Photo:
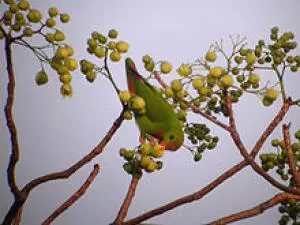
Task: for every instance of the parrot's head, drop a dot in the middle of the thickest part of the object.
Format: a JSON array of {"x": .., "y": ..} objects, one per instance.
[{"x": 172, "y": 140}]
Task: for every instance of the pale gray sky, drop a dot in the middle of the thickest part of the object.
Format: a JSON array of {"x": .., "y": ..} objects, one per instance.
[{"x": 54, "y": 133}]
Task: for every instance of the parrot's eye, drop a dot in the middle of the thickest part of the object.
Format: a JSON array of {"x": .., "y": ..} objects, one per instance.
[{"x": 172, "y": 137}]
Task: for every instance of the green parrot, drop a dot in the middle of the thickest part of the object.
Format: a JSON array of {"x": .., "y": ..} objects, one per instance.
[{"x": 159, "y": 120}]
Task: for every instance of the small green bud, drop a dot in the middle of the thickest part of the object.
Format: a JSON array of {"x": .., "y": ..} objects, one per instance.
[
  {"x": 59, "y": 36},
  {"x": 23, "y": 5},
  {"x": 197, "y": 157},
  {"x": 176, "y": 85},
  {"x": 115, "y": 56},
  {"x": 64, "y": 18},
  {"x": 91, "y": 76},
  {"x": 147, "y": 59},
  {"x": 122, "y": 46},
  {"x": 216, "y": 72},
  {"x": 41, "y": 78},
  {"x": 165, "y": 67},
  {"x": 211, "y": 56},
  {"x": 113, "y": 33}
]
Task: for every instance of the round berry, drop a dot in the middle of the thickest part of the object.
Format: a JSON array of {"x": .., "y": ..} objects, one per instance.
[
  {"x": 145, "y": 149},
  {"x": 127, "y": 115},
  {"x": 124, "y": 96},
  {"x": 297, "y": 134},
  {"x": 64, "y": 17},
  {"x": 53, "y": 12},
  {"x": 165, "y": 67},
  {"x": 34, "y": 16},
  {"x": 59, "y": 36},
  {"x": 65, "y": 78},
  {"x": 122, "y": 46},
  {"x": 197, "y": 156},
  {"x": 176, "y": 85},
  {"x": 137, "y": 103},
  {"x": 91, "y": 76},
  {"x": 151, "y": 167},
  {"x": 184, "y": 70},
  {"x": 251, "y": 58},
  {"x": 157, "y": 151},
  {"x": 115, "y": 56},
  {"x": 147, "y": 59},
  {"x": 211, "y": 56},
  {"x": 149, "y": 66},
  {"x": 198, "y": 83},
  {"x": 71, "y": 64},
  {"x": 113, "y": 33},
  {"x": 99, "y": 52},
  {"x": 23, "y": 5},
  {"x": 50, "y": 22},
  {"x": 216, "y": 72},
  {"x": 227, "y": 81},
  {"x": 253, "y": 78},
  {"x": 41, "y": 78},
  {"x": 272, "y": 94}
]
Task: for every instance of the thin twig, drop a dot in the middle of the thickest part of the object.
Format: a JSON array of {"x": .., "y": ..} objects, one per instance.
[
  {"x": 127, "y": 201},
  {"x": 259, "y": 209},
  {"x": 72, "y": 199},
  {"x": 290, "y": 154}
]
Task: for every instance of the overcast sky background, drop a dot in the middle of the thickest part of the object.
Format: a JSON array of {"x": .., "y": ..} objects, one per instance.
[{"x": 55, "y": 132}]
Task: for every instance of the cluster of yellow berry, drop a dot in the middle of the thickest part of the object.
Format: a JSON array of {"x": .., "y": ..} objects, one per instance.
[
  {"x": 149, "y": 64},
  {"x": 134, "y": 104},
  {"x": 23, "y": 21},
  {"x": 280, "y": 160},
  {"x": 143, "y": 159},
  {"x": 99, "y": 45}
]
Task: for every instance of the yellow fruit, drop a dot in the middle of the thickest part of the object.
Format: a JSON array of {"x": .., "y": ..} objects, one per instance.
[
  {"x": 122, "y": 46},
  {"x": 149, "y": 66},
  {"x": 34, "y": 16},
  {"x": 99, "y": 52},
  {"x": 272, "y": 94},
  {"x": 165, "y": 67},
  {"x": 53, "y": 12},
  {"x": 65, "y": 78},
  {"x": 124, "y": 96},
  {"x": 59, "y": 36},
  {"x": 184, "y": 70},
  {"x": 115, "y": 56},
  {"x": 216, "y": 72},
  {"x": 71, "y": 64},
  {"x": 176, "y": 85},
  {"x": 41, "y": 78},
  {"x": 145, "y": 161},
  {"x": 62, "y": 53},
  {"x": 50, "y": 22},
  {"x": 111, "y": 45},
  {"x": 64, "y": 17},
  {"x": 66, "y": 90},
  {"x": 253, "y": 78},
  {"x": 211, "y": 56},
  {"x": 157, "y": 151},
  {"x": 127, "y": 115},
  {"x": 137, "y": 103},
  {"x": 91, "y": 76},
  {"x": 23, "y": 5},
  {"x": 251, "y": 58},
  {"x": 145, "y": 149},
  {"x": 227, "y": 81},
  {"x": 169, "y": 93},
  {"x": 198, "y": 83},
  {"x": 146, "y": 59},
  {"x": 151, "y": 167}
]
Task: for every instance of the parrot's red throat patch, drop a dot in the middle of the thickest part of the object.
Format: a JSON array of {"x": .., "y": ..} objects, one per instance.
[{"x": 135, "y": 75}]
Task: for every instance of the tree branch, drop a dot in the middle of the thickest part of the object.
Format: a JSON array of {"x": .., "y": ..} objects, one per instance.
[
  {"x": 259, "y": 209},
  {"x": 127, "y": 201},
  {"x": 15, "y": 151},
  {"x": 63, "y": 174},
  {"x": 80, "y": 192},
  {"x": 290, "y": 154},
  {"x": 226, "y": 175},
  {"x": 250, "y": 160}
]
